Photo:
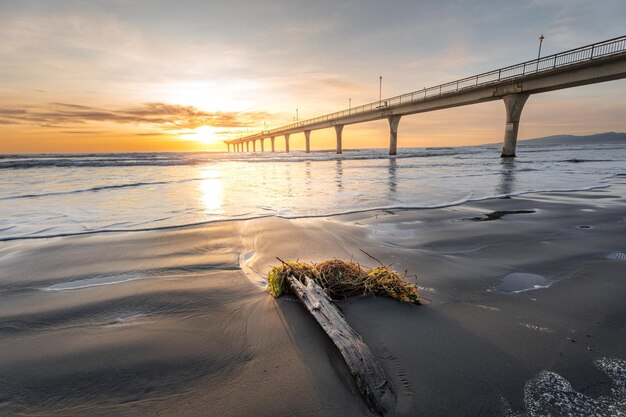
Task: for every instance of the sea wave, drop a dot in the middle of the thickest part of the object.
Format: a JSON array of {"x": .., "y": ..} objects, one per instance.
[
  {"x": 71, "y": 163},
  {"x": 177, "y": 159},
  {"x": 210, "y": 187},
  {"x": 101, "y": 188},
  {"x": 251, "y": 216}
]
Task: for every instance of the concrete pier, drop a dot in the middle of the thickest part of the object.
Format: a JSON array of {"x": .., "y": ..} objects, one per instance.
[
  {"x": 514, "y": 104},
  {"x": 594, "y": 63},
  {"x": 394, "y": 121},
  {"x": 307, "y": 139},
  {"x": 272, "y": 140},
  {"x": 339, "y": 130}
]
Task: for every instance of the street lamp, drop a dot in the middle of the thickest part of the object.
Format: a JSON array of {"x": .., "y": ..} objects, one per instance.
[
  {"x": 380, "y": 89},
  {"x": 349, "y": 104},
  {"x": 541, "y": 38},
  {"x": 296, "y": 115}
]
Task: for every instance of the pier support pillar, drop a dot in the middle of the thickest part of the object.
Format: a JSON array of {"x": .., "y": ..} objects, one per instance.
[
  {"x": 248, "y": 146},
  {"x": 513, "y": 103},
  {"x": 254, "y": 146},
  {"x": 394, "y": 121},
  {"x": 307, "y": 139},
  {"x": 287, "y": 142},
  {"x": 338, "y": 131},
  {"x": 228, "y": 144},
  {"x": 272, "y": 140},
  {"x": 236, "y": 147},
  {"x": 262, "y": 144}
]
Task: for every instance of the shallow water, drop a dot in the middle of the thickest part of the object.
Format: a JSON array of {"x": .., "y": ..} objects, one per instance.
[
  {"x": 50, "y": 195},
  {"x": 521, "y": 281}
]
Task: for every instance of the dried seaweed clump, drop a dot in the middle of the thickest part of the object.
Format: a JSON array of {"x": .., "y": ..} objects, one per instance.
[{"x": 342, "y": 279}]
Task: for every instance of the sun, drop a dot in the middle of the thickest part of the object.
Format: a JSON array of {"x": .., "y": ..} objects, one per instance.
[{"x": 204, "y": 134}]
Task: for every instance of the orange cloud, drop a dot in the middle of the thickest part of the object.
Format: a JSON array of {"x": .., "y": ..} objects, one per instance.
[{"x": 161, "y": 115}]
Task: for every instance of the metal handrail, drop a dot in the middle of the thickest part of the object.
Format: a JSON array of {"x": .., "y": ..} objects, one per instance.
[{"x": 573, "y": 56}]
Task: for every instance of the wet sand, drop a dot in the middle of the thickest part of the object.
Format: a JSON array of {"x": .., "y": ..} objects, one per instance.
[{"x": 526, "y": 309}]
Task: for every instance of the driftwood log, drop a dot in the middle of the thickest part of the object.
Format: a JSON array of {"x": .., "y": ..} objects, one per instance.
[{"x": 369, "y": 376}]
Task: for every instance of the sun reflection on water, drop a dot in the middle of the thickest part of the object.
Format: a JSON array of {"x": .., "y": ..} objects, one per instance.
[{"x": 211, "y": 191}]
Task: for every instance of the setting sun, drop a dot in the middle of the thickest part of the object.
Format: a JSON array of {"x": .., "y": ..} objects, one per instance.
[{"x": 203, "y": 134}]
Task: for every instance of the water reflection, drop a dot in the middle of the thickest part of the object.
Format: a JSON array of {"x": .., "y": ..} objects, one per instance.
[
  {"x": 307, "y": 176},
  {"x": 506, "y": 182},
  {"x": 339, "y": 174},
  {"x": 392, "y": 180},
  {"x": 211, "y": 191},
  {"x": 289, "y": 181}
]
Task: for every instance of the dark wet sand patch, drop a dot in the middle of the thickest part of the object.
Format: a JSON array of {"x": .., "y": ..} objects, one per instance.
[{"x": 497, "y": 215}]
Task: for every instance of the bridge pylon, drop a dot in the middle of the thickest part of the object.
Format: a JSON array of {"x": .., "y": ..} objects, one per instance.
[
  {"x": 394, "y": 121},
  {"x": 338, "y": 131},
  {"x": 514, "y": 104}
]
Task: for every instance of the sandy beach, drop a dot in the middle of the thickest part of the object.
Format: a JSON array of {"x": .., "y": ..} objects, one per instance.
[{"x": 526, "y": 304}]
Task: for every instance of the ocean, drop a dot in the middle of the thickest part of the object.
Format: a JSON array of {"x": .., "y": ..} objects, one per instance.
[{"x": 55, "y": 195}]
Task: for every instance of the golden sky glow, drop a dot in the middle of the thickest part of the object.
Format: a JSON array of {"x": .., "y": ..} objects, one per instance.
[{"x": 156, "y": 76}]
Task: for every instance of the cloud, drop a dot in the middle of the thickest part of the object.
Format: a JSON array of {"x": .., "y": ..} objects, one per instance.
[
  {"x": 71, "y": 106},
  {"x": 85, "y": 51},
  {"x": 162, "y": 115},
  {"x": 151, "y": 134},
  {"x": 85, "y": 132}
]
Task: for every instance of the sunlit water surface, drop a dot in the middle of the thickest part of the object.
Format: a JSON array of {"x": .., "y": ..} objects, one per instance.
[{"x": 49, "y": 195}]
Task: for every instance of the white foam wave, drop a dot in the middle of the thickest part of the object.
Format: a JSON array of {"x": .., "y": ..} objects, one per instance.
[
  {"x": 549, "y": 394},
  {"x": 93, "y": 282}
]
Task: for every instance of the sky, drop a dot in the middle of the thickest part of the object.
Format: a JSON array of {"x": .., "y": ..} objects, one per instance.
[{"x": 154, "y": 75}]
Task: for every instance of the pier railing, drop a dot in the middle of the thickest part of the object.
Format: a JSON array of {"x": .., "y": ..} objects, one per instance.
[{"x": 562, "y": 59}]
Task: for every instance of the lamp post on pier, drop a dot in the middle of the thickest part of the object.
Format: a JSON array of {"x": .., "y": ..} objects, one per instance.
[
  {"x": 541, "y": 38},
  {"x": 380, "y": 90}
]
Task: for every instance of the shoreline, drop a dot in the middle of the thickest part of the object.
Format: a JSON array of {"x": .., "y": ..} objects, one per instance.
[
  {"x": 193, "y": 332},
  {"x": 467, "y": 200}
]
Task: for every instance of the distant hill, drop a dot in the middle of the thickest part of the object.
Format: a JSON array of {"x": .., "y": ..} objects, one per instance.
[{"x": 604, "y": 138}]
